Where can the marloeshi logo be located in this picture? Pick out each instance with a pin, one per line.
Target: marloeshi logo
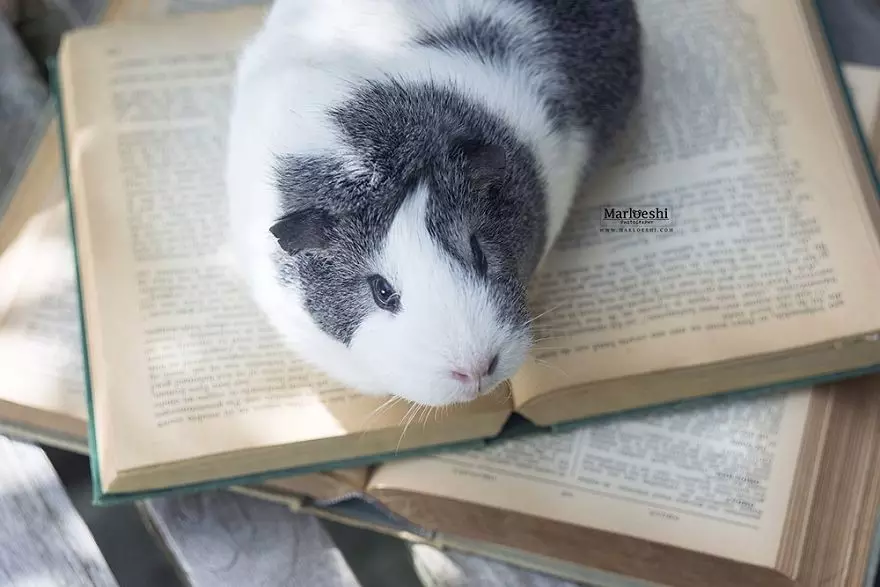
(656, 213)
(636, 219)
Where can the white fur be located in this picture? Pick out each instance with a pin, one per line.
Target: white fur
(304, 59)
(447, 321)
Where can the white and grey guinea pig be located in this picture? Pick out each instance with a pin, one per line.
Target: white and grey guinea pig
(397, 170)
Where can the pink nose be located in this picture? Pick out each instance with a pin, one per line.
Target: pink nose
(466, 376)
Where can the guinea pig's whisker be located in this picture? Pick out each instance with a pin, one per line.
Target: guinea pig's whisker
(538, 327)
(381, 410)
(545, 331)
(411, 409)
(551, 348)
(506, 398)
(545, 338)
(426, 416)
(541, 315)
(385, 407)
(551, 366)
(397, 402)
(410, 415)
(542, 339)
(412, 418)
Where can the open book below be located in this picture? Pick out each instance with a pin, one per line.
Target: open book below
(768, 278)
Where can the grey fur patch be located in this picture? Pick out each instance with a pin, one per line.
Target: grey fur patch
(595, 45)
(407, 135)
(480, 37)
(598, 47)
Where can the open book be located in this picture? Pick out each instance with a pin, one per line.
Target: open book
(779, 489)
(767, 279)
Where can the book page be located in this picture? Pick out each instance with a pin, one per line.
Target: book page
(712, 478)
(331, 485)
(769, 245)
(200, 371)
(41, 364)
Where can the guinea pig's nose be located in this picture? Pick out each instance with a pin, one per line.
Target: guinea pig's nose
(486, 370)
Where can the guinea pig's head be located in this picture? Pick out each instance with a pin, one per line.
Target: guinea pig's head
(421, 277)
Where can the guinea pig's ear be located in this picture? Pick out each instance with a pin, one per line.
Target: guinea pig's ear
(486, 162)
(302, 229)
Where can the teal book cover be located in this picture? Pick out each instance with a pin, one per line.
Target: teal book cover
(517, 426)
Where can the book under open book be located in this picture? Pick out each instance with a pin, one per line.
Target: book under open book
(767, 279)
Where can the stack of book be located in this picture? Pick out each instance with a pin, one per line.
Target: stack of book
(705, 415)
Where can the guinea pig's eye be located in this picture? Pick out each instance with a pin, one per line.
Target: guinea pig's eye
(383, 294)
(479, 258)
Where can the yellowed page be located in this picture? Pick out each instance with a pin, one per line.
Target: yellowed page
(41, 191)
(714, 479)
(41, 367)
(41, 376)
(771, 245)
(183, 365)
(19, 235)
(41, 363)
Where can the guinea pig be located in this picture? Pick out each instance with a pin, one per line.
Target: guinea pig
(397, 170)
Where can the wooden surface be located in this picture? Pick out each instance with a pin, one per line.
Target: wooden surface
(222, 539)
(43, 541)
(436, 568)
(216, 539)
